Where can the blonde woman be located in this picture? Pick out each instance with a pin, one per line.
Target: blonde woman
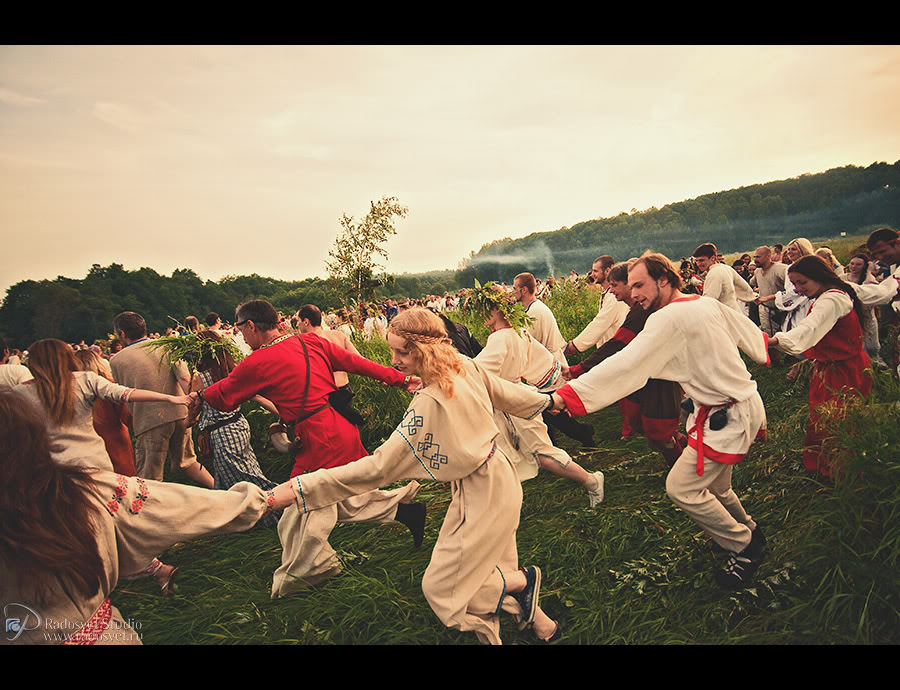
(825, 253)
(448, 434)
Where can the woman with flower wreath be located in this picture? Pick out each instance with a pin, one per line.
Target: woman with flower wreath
(448, 434)
(229, 431)
(512, 354)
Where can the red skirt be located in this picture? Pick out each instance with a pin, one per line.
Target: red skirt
(831, 383)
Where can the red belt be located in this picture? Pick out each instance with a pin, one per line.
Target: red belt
(699, 423)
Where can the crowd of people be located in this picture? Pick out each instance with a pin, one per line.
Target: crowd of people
(88, 429)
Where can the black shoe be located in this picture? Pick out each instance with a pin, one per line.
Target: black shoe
(738, 571)
(413, 516)
(757, 542)
(528, 597)
(741, 566)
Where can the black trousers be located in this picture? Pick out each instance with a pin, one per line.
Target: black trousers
(571, 427)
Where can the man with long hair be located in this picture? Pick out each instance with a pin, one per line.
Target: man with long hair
(653, 410)
(694, 341)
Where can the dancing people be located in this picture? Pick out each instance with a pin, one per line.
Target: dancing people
(512, 354)
(229, 432)
(294, 372)
(654, 409)
(694, 341)
(448, 434)
(70, 531)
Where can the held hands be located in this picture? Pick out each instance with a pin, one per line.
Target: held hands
(571, 350)
(559, 405)
(566, 372)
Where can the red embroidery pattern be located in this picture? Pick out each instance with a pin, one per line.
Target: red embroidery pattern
(121, 491)
(119, 494)
(94, 626)
(143, 494)
(270, 501)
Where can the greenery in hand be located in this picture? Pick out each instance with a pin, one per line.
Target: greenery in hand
(190, 348)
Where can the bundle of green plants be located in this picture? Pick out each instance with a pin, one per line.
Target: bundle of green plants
(190, 348)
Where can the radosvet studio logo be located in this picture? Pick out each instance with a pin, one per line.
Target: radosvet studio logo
(20, 619)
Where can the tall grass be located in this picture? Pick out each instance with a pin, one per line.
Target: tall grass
(636, 570)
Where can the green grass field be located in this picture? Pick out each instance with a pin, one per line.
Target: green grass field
(635, 570)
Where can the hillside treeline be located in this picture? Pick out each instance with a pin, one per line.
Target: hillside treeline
(83, 309)
(850, 199)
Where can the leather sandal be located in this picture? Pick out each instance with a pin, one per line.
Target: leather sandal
(168, 587)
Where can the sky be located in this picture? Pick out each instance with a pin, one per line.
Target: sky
(232, 160)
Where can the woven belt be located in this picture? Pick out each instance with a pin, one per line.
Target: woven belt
(93, 627)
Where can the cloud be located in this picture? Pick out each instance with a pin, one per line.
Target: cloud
(13, 98)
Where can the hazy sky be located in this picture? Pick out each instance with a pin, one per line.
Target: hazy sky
(238, 160)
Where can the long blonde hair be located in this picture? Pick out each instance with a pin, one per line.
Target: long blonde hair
(804, 245)
(426, 338)
(90, 361)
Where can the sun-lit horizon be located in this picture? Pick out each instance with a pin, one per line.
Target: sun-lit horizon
(241, 159)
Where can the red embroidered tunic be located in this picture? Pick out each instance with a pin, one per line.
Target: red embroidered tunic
(833, 330)
(278, 373)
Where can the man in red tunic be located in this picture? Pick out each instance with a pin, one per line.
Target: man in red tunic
(296, 373)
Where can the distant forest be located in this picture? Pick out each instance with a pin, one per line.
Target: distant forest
(850, 199)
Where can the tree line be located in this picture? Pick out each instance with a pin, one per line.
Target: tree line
(850, 199)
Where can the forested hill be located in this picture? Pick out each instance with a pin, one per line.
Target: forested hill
(850, 199)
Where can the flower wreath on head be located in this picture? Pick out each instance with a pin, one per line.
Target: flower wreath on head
(482, 299)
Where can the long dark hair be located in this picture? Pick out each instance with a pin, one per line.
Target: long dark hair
(817, 269)
(52, 363)
(865, 269)
(217, 362)
(47, 511)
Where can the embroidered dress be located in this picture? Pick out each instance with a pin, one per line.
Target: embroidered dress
(233, 457)
(137, 519)
(452, 440)
(831, 337)
(521, 359)
(790, 301)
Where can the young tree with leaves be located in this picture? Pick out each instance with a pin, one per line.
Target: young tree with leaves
(353, 258)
